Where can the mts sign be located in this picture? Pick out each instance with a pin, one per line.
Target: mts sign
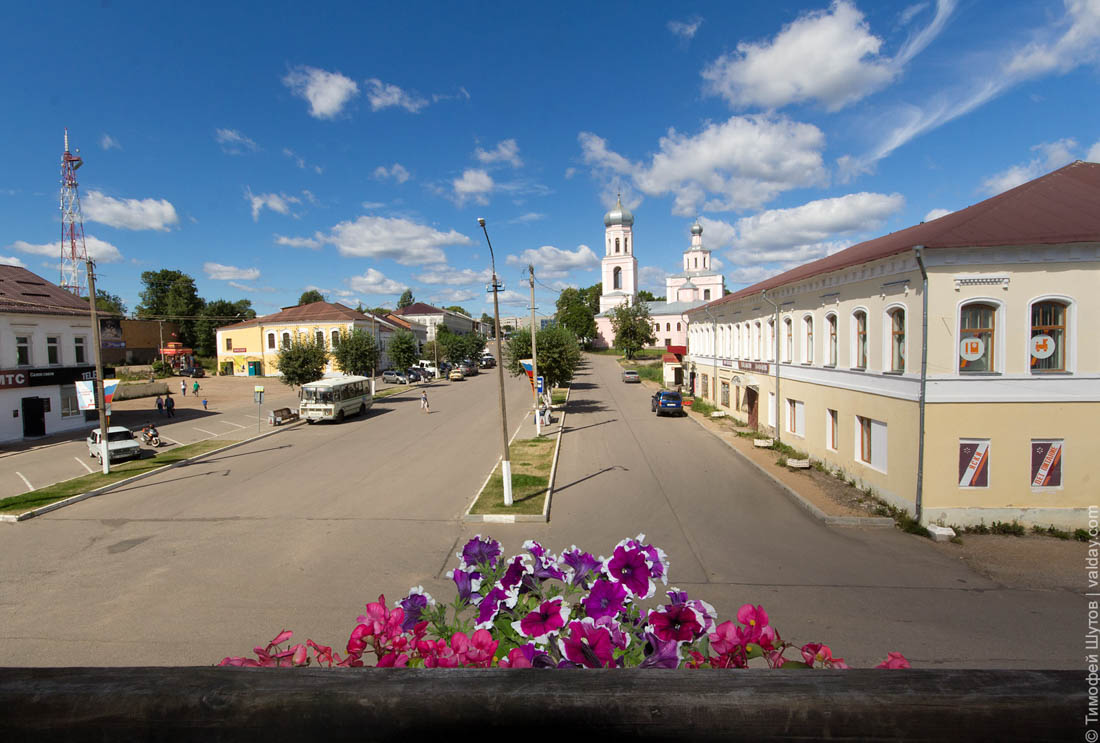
(9, 380)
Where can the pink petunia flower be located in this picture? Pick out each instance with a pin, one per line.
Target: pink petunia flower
(544, 621)
(894, 660)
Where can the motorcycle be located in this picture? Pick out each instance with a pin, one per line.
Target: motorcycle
(151, 438)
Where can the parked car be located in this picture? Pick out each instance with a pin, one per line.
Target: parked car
(667, 402)
(456, 375)
(415, 374)
(192, 371)
(468, 367)
(445, 368)
(393, 376)
(629, 375)
(121, 444)
(427, 366)
(487, 362)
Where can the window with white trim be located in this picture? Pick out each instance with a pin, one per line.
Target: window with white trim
(770, 353)
(23, 350)
(977, 337)
(870, 442)
(788, 341)
(808, 339)
(335, 337)
(286, 340)
(271, 340)
(897, 339)
(859, 339)
(832, 430)
(796, 417)
(1048, 345)
(830, 322)
(79, 345)
(70, 406)
(228, 343)
(53, 350)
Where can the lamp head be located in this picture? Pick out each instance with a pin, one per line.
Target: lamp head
(481, 221)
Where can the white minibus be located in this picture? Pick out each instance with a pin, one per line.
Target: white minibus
(332, 399)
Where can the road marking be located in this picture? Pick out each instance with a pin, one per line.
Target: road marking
(84, 464)
(204, 430)
(29, 486)
(231, 423)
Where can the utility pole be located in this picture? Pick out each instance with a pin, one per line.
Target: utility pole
(104, 454)
(534, 355)
(506, 461)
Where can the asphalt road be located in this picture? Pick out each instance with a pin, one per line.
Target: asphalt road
(300, 529)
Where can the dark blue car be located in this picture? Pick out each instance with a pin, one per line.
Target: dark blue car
(667, 402)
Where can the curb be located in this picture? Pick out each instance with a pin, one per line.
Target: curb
(520, 518)
(14, 518)
(877, 522)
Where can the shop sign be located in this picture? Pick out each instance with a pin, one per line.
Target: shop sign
(240, 350)
(726, 363)
(754, 366)
(14, 378)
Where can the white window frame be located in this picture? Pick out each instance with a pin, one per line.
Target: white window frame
(879, 444)
(888, 338)
(832, 352)
(771, 331)
(1071, 335)
(56, 345)
(796, 424)
(68, 393)
(808, 339)
(29, 345)
(853, 336)
(81, 342)
(832, 442)
(998, 334)
(788, 340)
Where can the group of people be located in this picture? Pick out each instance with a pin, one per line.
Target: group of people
(167, 405)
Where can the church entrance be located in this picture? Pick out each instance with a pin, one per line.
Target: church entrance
(751, 397)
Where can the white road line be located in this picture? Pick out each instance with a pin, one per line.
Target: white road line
(204, 430)
(29, 486)
(231, 423)
(84, 464)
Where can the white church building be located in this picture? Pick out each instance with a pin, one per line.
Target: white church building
(696, 285)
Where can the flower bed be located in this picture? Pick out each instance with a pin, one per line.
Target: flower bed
(540, 610)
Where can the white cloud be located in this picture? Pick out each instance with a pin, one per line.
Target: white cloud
(276, 202)
(313, 243)
(384, 95)
(1062, 47)
(224, 273)
(474, 184)
(506, 151)
(108, 142)
(301, 161)
(910, 12)
(745, 162)
(129, 214)
(402, 240)
(829, 56)
(1052, 155)
(99, 250)
(453, 296)
(1094, 153)
(375, 282)
(397, 172)
(528, 217)
(753, 274)
(555, 263)
(453, 276)
(685, 29)
(512, 297)
(233, 142)
(570, 172)
(936, 214)
(652, 278)
(326, 92)
(11, 260)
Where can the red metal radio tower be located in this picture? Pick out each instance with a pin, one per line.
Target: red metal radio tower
(74, 254)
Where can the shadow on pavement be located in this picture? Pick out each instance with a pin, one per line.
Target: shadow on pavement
(570, 429)
(207, 460)
(584, 406)
(582, 385)
(589, 477)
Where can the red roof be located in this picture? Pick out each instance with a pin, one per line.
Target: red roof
(1058, 208)
(670, 358)
(312, 312)
(24, 292)
(677, 349)
(418, 308)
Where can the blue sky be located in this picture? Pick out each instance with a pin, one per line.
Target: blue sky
(270, 148)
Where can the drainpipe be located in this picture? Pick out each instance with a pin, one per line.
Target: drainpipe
(918, 251)
(714, 352)
(775, 331)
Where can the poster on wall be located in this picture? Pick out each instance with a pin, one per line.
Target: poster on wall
(1046, 464)
(973, 463)
(110, 332)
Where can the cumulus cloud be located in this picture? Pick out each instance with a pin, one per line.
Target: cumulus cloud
(685, 29)
(276, 202)
(743, 162)
(935, 214)
(313, 243)
(829, 56)
(453, 296)
(99, 250)
(384, 95)
(224, 273)
(11, 260)
(397, 172)
(512, 297)
(506, 151)
(233, 142)
(474, 184)
(528, 217)
(129, 214)
(453, 276)
(555, 263)
(402, 240)
(1094, 153)
(375, 282)
(652, 278)
(326, 92)
(108, 142)
(1051, 156)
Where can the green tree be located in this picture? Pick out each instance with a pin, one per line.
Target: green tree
(214, 315)
(558, 350)
(355, 352)
(310, 296)
(105, 302)
(302, 362)
(486, 321)
(428, 352)
(403, 352)
(633, 328)
(592, 297)
(172, 295)
(406, 299)
(575, 314)
(648, 296)
(459, 310)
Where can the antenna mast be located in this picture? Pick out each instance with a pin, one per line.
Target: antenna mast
(74, 253)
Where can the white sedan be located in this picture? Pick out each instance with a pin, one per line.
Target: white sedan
(120, 444)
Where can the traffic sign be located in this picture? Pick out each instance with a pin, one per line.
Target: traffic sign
(542, 384)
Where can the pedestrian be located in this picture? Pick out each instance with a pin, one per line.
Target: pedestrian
(170, 406)
(160, 406)
(183, 388)
(424, 402)
(195, 389)
(204, 403)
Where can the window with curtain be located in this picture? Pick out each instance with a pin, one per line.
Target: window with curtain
(1047, 348)
(859, 360)
(830, 322)
(808, 329)
(897, 340)
(977, 333)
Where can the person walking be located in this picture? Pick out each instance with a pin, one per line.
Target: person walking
(204, 403)
(160, 406)
(195, 389)
(424, 402)
(170, 406)
(183, 388)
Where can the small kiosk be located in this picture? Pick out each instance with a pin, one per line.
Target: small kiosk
(177, 357)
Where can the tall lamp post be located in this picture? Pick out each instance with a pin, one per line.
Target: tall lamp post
(506, 461)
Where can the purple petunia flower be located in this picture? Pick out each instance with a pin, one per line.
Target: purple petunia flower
(467, 582)
(703, 611)
(515, 572)
(581, 565)
(544, 621)
(606, 599)
(491, 605)
(658, 560)
(478, 551)
(588, 644)
(414, 605)
(663, 654)
(536, 549)
(676, 622)
(630, 567)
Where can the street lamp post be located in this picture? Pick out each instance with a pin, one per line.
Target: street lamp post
(506, 461)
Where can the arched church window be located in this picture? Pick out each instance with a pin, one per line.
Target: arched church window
(617, 276)
(697, 263)
(616, 245)
(677, 326)
(626, 244)
(706, 294)
(667, 326)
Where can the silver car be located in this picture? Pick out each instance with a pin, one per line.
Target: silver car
(120, 444)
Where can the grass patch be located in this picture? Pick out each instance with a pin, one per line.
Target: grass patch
(652, 372)
(391, 391)
(789, 452)
(531, 463)
(701, 406)
(1052, 531)
(558, 395)
(68, 488)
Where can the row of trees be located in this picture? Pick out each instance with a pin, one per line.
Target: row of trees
(632, 324)
(354, 352)
(172, 294)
